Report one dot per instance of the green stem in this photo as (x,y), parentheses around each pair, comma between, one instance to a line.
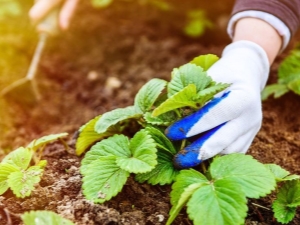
(183,143)
(177,113)
(203,167)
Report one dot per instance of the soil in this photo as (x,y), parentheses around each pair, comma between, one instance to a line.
(131,42)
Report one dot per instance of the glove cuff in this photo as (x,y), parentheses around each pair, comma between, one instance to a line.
(251,52)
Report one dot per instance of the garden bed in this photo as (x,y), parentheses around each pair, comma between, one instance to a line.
(131,44)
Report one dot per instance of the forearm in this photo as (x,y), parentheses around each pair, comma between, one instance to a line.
(259,32)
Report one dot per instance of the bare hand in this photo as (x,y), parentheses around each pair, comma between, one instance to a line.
(42,7)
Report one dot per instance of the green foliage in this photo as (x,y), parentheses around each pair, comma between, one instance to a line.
(220,196)
(101,3)
(43,217)
(131,141)
(108,164)
(280,173)
(164,172)
(41,142)
(149,153)
(16,171)
(197,23)
(288,77)
(9,8)
(288,199)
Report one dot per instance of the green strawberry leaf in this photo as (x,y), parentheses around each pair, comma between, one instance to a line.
(164,119)
(208,93)
(221,202)
(89,136)
(288,198)
(20,157)
(117,146)
(43,217)
(185,97)
(23,182)
(183,180)
(205,61)
(289,69)
(187,182)
(148,94)
(280,173)
(103,179)
(142,154)
(36,144)
(186,75)
(5,170)
(274,89)
(3,187)
(161,140)
(113,117)
(163,173)
(254,179)
(295,85)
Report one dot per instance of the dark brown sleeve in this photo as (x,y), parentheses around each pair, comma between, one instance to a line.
(288,11)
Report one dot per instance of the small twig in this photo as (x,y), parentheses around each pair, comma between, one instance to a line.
(260,206)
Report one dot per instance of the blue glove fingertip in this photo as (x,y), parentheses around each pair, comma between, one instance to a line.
(186,159)
(179,130)
(189,156)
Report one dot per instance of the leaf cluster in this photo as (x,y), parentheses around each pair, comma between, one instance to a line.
(114,155)
(288,194)
(288,77)
(220,196)
(16,170)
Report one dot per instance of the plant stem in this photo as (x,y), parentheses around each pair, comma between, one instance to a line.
(203,167)
(177,113)
(183,144)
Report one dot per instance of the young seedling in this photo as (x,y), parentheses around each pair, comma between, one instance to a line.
(288,194)
(16,170)
(44,217)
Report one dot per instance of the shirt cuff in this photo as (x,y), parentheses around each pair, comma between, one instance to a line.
(278,25)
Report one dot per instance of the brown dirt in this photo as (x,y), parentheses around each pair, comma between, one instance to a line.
(133,43)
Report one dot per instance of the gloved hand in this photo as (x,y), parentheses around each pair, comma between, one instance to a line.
(42,7)
(229,122)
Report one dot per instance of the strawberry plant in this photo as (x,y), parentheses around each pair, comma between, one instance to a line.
(288,77)
(131,140)
(135,140)
(16,170)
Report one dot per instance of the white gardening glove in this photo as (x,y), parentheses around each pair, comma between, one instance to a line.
(228,123)
(42,7)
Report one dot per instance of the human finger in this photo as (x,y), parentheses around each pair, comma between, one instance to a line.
(66,13)
(41,8)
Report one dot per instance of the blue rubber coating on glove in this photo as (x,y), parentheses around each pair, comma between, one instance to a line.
(179,129)
(188,157)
